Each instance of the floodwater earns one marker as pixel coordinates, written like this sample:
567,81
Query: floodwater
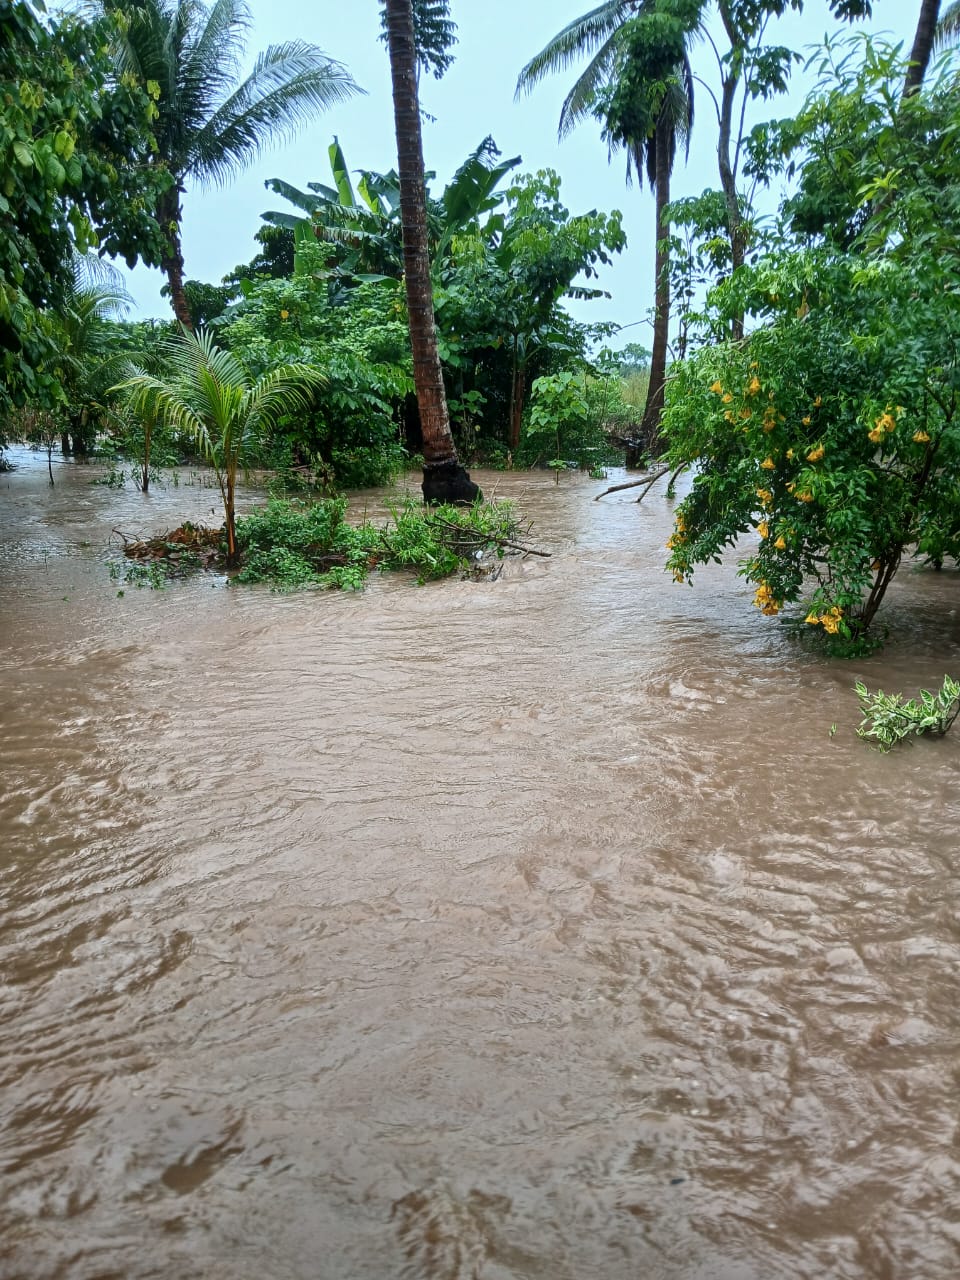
477,931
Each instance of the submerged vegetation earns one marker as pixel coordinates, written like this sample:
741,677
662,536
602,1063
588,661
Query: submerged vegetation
888,719
294,544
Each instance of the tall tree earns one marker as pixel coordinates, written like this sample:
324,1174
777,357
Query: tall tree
207,124
748,64
923,42
444,479
639,83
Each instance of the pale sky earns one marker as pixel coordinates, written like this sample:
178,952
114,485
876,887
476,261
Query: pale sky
475,98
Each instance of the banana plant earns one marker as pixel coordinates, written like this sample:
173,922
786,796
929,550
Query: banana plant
362,224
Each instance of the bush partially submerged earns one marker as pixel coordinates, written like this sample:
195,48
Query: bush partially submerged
887,719
297,544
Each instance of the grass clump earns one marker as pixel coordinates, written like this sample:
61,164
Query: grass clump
293,544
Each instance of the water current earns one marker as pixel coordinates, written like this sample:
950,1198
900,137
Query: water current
529,928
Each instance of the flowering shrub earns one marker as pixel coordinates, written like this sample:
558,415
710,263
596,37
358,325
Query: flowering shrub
830,435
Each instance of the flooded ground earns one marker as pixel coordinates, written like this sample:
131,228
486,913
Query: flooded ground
529,928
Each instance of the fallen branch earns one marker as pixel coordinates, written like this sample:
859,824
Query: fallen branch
647,481
476,539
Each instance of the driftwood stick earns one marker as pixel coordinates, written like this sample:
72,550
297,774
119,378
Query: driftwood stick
646,481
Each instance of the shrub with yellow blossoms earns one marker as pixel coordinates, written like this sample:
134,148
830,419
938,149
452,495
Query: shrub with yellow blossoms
819,412
823,453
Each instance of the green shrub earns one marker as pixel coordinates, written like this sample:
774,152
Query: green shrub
887,719
297,544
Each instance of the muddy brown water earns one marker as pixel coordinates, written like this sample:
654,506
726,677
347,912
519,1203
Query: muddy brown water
478,931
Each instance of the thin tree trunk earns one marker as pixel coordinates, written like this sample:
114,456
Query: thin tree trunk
444,479
653,410
518,392
728,183
170,215
922,46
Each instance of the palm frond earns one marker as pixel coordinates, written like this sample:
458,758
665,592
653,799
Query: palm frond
948,28
583,36
287,389
289,84
148,396
580,100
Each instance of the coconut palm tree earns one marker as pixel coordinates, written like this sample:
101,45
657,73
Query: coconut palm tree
600,36
86,339
208,123
209,395
444,479
928,30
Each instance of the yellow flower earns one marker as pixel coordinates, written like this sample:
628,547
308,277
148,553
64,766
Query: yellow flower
746,414
763,529
831,623
806,496
886,421
765,496
818,402
717,387
284,315
816,454
681,524
807,420
728,398
780,544
728,416
678,576
813,618
770,609
768,464
790,455
876,435
753,386
920,437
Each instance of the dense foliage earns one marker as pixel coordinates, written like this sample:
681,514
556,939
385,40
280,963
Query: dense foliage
77,172
832,429
297,544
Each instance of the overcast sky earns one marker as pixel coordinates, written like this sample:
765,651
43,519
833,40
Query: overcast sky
475,98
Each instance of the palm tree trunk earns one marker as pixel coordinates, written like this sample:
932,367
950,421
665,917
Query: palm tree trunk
650,426
230,512
170,216
444,479
922,46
